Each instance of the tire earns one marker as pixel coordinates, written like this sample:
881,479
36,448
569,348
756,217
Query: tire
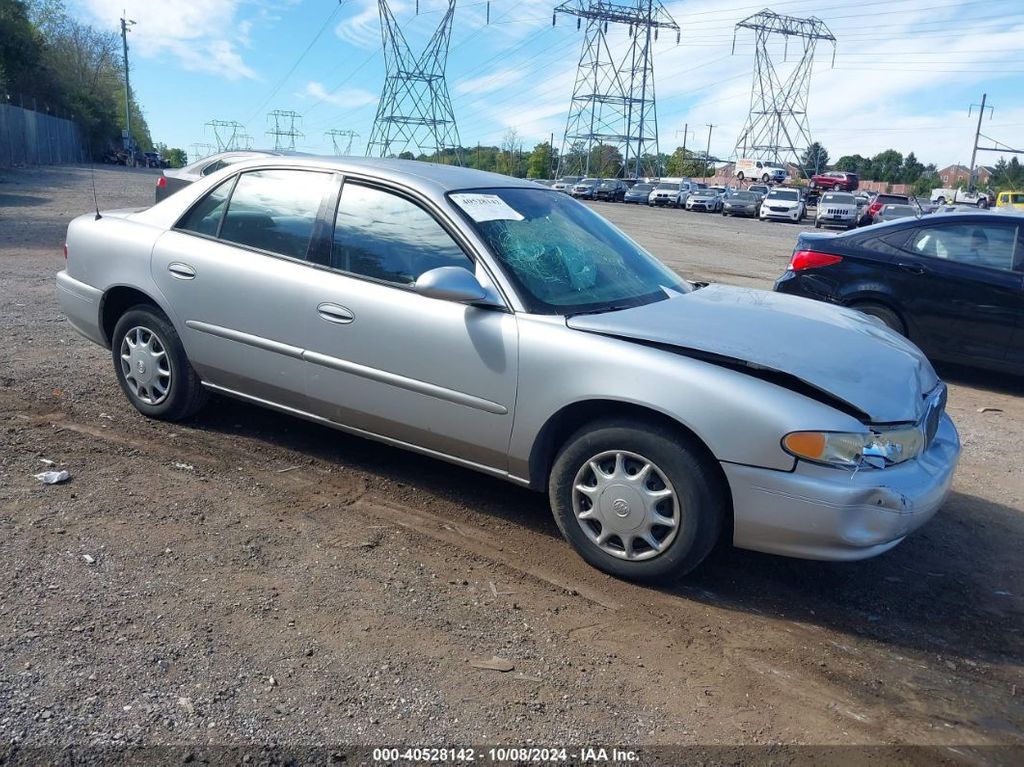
739,176
765,178
941,201
697,501
836,187
983,203
175,392
891,319
817,224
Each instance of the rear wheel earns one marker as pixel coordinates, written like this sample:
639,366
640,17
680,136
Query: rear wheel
635,500
765,178
739,176
836,187
884,313
941,201
151,366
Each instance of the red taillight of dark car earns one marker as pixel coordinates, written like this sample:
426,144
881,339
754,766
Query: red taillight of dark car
161,183
875,207
812,259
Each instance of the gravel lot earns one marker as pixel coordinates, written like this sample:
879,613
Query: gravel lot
249,578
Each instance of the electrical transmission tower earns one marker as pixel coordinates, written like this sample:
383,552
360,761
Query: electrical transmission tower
199,151
227,134
415,112
336,137
776,128
613,101
285,129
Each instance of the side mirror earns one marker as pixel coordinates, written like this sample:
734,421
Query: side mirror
451,283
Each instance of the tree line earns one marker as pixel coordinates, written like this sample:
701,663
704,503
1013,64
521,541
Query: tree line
53,63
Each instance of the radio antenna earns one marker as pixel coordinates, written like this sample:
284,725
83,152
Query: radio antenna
95,200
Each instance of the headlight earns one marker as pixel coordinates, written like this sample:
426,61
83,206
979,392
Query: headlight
851,450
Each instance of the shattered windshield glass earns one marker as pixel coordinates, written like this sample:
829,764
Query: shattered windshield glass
563,257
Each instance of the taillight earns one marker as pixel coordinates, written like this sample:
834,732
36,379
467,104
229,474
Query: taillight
812,259
161,183
875,207
65,251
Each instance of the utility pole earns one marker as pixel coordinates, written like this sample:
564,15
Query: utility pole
707,153
128,143
972,180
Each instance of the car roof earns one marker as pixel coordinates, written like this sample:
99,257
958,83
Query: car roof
424,175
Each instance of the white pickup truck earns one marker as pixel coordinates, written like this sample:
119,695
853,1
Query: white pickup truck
960,197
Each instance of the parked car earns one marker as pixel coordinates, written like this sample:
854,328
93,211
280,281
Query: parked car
891,212
638,194
759,170
952,196
686,188
836,180
611,190
877,202
455,313
836,209
759,189
1010,200
784,204
585,188
170,181
742,204
543,181
706,200
950,282
665,193
565,184
155,160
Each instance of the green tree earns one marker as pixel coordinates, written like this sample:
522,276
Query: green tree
21,46
886,166
1009,176
605,161
814,159
851,163
912,169
541,163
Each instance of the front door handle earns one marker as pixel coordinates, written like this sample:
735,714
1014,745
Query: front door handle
912,268
181,271
335,313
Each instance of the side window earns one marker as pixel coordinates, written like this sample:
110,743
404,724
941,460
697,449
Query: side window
978,244
379,234
890,244
275,210
205,215
213,167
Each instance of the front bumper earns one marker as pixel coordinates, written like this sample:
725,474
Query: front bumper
662,200
81,304
789,215
817,512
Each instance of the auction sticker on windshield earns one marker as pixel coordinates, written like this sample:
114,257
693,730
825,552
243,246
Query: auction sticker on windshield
486,207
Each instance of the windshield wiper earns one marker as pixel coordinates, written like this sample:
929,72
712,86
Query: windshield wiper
602,310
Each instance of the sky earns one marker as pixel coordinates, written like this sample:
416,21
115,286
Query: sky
905,76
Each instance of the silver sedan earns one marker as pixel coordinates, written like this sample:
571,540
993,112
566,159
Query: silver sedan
505,327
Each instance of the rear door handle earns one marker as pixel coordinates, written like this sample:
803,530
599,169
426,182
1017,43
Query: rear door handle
912,268
335,313
181,271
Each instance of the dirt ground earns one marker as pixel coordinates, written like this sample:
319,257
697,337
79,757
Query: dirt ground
250,578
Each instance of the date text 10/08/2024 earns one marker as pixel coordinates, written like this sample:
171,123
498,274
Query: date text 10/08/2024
534,754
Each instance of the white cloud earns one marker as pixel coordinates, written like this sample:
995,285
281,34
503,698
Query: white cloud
204,35
490,82
351,98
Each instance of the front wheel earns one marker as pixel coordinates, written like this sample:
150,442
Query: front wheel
941,201
765,178
151,366
636,500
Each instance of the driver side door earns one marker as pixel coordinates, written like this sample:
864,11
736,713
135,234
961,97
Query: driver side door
424,372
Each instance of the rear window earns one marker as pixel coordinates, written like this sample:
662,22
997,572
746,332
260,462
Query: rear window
894,199
275,210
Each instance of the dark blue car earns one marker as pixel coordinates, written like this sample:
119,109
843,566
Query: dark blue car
952,283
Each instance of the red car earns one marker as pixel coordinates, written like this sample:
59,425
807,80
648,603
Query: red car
836,180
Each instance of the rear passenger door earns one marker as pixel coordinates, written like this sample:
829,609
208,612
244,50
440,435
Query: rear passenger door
234,271
961,287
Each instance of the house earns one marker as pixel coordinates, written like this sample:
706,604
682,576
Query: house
957,175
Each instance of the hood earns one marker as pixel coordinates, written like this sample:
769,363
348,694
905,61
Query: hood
780,203
839,352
